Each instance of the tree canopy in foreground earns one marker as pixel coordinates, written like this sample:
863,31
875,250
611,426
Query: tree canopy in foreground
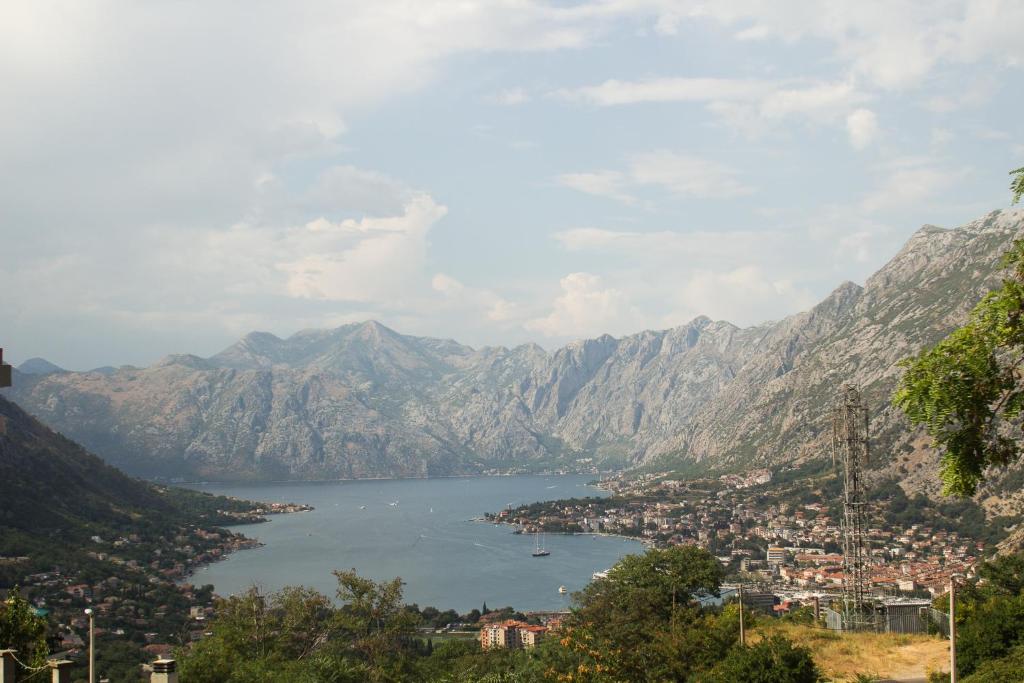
640,624
967,390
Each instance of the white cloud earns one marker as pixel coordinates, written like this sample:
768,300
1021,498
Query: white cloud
686,175
746,104
586,308
169,123
820,100
682,175
745,294
366,260
705,246
346,188
212,189
510,97
892,45
909,183
744,276
446,284
862,127
473,301
610,184
940,137
615,92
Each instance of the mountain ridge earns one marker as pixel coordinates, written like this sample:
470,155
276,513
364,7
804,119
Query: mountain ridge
364,400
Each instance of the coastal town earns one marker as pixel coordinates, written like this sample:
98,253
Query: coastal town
785,545
785,548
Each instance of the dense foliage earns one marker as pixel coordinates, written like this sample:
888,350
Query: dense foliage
772,660
990,623
22,630
967,389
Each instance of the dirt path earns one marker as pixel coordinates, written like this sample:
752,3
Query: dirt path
893,657
921,657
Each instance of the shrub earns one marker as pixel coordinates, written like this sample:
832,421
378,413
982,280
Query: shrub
772,660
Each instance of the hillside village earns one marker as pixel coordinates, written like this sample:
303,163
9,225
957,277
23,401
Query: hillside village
136,585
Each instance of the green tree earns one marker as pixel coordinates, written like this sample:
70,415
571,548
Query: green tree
967,389
772,660
990,631
376,624
1004,574
265,638
1008,669
642,623
22,630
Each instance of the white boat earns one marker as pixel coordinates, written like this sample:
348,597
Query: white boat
563,590
538,550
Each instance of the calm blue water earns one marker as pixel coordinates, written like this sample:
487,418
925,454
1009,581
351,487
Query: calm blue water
427,538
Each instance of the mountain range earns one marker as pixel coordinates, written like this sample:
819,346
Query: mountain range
363,400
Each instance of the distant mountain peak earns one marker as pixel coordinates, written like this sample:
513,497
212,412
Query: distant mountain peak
258,337
39,366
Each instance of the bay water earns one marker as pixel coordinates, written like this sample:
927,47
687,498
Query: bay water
422,530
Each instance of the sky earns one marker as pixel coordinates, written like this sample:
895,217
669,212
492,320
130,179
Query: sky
176,175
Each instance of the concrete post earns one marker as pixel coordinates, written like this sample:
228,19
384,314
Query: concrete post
92,645
817,609
743,633
952,630
8,667
164,671
60,670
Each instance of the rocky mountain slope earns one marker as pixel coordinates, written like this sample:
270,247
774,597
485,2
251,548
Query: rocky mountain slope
362,400
776,408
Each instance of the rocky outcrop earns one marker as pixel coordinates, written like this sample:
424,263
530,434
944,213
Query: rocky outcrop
363,400
776,409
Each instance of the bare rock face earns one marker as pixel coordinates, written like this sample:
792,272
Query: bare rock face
363,400
776,410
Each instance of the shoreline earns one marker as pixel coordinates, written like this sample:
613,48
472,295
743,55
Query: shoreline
246,542
255,482
646,542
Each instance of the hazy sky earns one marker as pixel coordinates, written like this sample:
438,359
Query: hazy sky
176,174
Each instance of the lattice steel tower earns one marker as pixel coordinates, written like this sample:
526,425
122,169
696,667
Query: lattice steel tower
850,447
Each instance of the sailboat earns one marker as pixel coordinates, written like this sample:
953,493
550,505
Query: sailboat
539,550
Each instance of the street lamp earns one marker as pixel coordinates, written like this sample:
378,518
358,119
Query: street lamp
92,645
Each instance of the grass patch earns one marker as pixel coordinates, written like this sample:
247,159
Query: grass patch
845,656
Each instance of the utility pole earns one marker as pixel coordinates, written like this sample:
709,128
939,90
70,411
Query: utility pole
743,633
92,645
850,449
952,630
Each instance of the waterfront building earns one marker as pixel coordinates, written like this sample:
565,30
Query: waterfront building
511,634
